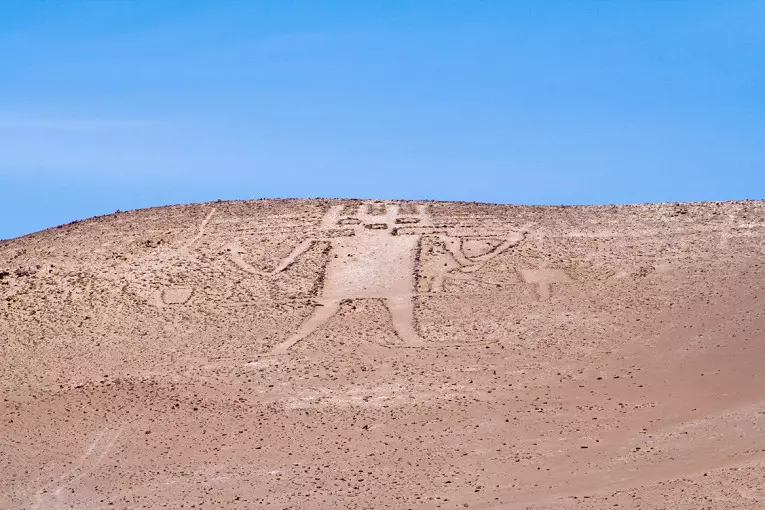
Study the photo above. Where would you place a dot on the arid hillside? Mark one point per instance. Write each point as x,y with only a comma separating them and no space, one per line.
361,354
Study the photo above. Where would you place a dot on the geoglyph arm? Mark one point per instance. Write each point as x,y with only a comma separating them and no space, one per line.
472,264
290,259
512,240
235,253
454,245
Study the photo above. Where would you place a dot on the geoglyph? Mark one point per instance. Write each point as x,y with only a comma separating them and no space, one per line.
374,253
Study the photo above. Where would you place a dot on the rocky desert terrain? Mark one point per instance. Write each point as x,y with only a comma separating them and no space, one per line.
377,354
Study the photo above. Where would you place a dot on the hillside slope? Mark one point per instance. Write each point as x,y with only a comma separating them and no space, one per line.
349,354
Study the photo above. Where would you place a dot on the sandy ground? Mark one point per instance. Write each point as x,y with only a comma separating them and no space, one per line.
347,354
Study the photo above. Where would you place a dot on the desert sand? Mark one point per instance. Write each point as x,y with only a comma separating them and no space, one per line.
365,354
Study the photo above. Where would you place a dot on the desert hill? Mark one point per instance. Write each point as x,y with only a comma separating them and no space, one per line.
370,354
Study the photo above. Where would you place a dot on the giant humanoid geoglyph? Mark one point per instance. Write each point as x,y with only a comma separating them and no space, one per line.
374,253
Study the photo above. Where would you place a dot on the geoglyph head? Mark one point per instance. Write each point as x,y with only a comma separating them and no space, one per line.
376,216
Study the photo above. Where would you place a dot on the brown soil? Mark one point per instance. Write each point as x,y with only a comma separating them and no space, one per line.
347,354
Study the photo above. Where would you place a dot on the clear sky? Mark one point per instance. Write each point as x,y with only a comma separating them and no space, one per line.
108,105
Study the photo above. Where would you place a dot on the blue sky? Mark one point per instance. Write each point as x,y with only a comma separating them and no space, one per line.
108,105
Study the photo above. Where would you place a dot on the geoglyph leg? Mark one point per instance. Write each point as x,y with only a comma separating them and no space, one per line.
324,311
402,313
